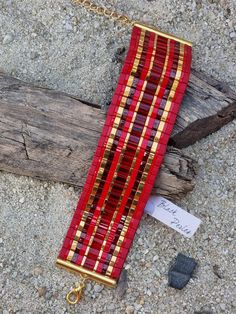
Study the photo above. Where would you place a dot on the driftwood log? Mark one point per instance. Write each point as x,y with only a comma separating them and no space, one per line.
50,135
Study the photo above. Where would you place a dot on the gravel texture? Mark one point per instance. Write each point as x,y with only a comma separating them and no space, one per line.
54,44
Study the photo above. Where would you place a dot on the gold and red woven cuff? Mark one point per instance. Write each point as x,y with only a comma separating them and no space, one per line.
129,153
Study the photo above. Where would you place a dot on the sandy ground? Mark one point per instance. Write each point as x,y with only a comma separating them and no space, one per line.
54,44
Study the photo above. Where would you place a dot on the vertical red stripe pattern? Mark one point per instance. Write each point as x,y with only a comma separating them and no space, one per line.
129,153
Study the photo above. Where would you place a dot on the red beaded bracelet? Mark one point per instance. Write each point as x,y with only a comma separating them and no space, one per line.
129,153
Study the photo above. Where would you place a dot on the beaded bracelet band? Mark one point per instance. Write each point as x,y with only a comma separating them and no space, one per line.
129,153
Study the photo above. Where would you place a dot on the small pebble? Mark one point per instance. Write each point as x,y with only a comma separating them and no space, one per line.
155,258
140,241
38,270
71,189
129,309
7,39
68,26
128,266
88,287
98,288
22,200
42,291
232,35
222,306
137,306
149,293
142,301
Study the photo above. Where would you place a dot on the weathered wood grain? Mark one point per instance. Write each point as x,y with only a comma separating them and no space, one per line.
203,127
176,176
52,136
208,105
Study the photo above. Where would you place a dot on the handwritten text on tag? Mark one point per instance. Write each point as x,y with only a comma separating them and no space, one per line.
172,215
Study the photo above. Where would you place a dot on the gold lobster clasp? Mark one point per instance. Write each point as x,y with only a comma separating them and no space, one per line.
75,294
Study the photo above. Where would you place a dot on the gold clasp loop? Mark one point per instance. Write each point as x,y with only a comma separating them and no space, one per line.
75,294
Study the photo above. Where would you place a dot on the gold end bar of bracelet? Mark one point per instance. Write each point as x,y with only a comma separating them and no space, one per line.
167,35
90,274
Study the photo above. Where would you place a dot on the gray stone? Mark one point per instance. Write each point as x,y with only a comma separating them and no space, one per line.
98,288
22,200
8,38
222,306
232,35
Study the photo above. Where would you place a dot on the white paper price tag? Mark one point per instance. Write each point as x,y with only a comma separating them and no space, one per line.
172,215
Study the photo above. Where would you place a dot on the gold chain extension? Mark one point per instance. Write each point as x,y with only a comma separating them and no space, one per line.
104,11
